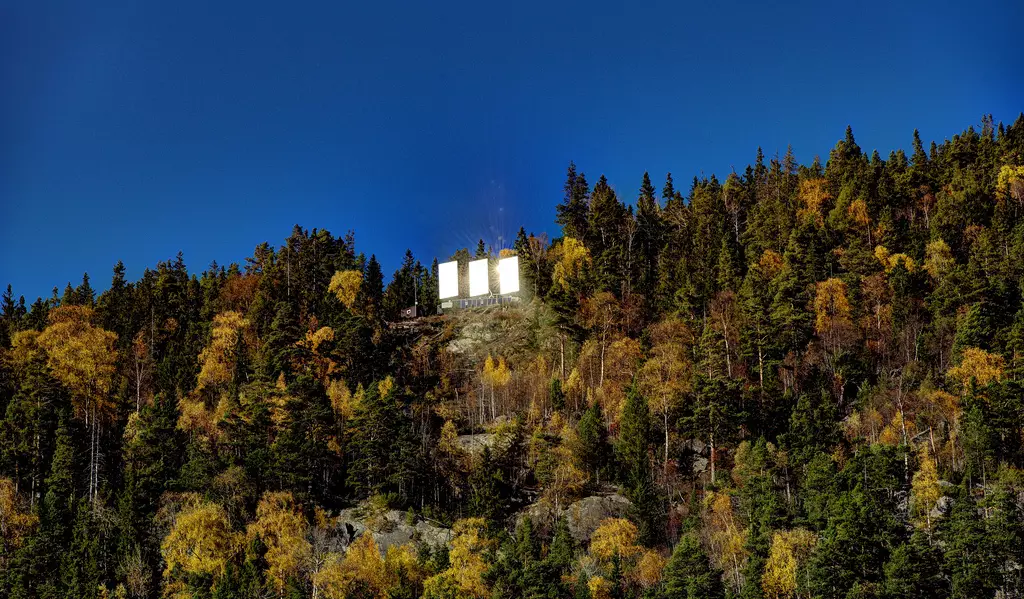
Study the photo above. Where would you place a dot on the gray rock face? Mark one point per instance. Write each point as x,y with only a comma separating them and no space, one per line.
583,516
700,464
942,507
475,443
586,515
390,529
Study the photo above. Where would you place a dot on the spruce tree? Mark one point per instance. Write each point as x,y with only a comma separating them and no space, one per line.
634,457
689,574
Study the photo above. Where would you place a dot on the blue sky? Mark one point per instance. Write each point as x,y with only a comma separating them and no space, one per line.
133,130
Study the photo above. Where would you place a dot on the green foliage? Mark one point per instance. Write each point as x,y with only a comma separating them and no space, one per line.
689,574
824,324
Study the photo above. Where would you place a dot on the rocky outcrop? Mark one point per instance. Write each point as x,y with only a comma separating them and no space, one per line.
475,443
583,516
389,528
586,515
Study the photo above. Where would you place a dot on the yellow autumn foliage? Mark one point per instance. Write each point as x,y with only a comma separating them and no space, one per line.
15,523
364,563
282,529
385,387
201,541
573,257
615,536
771,263
789,550
467,556
938,259
81,356
831,306
345,286
890,261
599,587
341,399
727,540
857,211
649,567
220,356
468,564
924,489
1010,182
978,365
812,196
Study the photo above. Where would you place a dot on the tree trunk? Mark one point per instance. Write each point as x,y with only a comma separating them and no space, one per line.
665,420
712,460
561,351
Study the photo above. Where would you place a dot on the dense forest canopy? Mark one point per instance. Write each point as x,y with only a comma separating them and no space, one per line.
796,381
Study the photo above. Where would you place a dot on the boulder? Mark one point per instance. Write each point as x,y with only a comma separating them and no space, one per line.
390,528
696,446
700,464
583,516
942,507
474,444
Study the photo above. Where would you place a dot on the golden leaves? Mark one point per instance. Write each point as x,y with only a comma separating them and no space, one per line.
924,488
938,259
341,399
362,563
599,587
648,569
24,347
977,365
283,530
812,197
890,261
201,540
857,211
789,550
619,538
497,373
220,357
317,357
15,524
81,356
467,555
345,286
1010,182
572,258
385,387
770,263
725,538
615,536
831,306
468,566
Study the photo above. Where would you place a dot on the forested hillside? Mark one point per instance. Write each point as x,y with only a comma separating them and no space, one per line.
793,381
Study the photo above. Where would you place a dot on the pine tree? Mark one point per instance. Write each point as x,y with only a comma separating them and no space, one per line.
380,445
914,571
572,212
650,233
689,574
969,551
593,442
605,241
634,456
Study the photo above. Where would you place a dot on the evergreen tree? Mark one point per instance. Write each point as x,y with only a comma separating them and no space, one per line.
380,444
633,452
572,212
689,575
593,441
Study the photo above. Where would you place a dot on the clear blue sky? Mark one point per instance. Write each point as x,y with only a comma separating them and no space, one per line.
133,130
